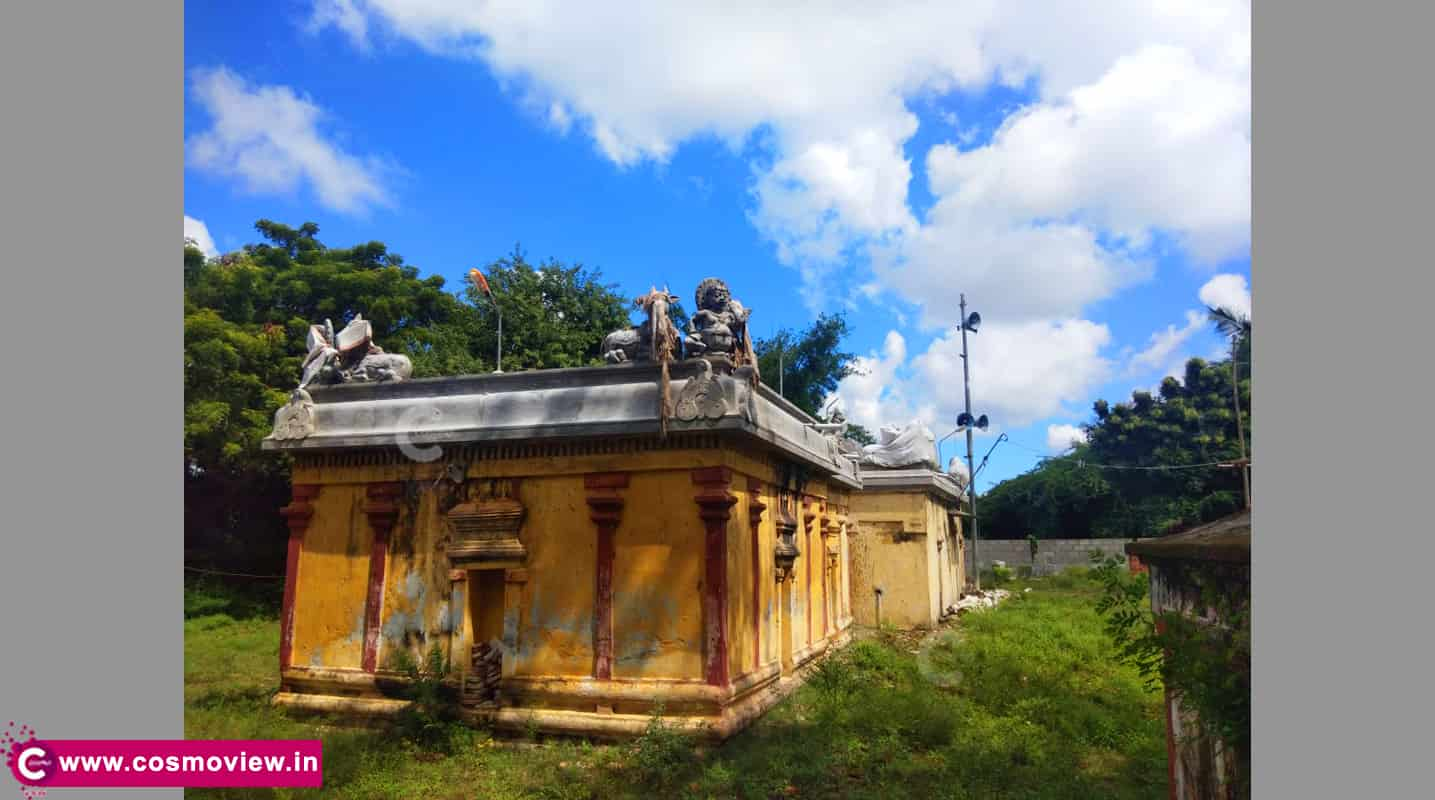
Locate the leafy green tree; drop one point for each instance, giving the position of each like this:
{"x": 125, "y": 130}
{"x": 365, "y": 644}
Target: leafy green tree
{"x": 1122, "y": 483}
{"x": 860, "y": 434}
{"x": 553, "y": 315}
{"x": 1060, "y": 499}
{"x": 246, "y": 319}
{"x": 813, "y": 361}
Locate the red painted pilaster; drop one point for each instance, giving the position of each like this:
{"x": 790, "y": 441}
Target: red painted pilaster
{"x": 605, "y": 507}
{"x": 808, "y": 515}
{"x": 755, "y": 507}
{"x": 826, "y": 569}
{"x": 715, "y": 504}
{"x": 297, "y": 514}
{"x": 382, "y": 508}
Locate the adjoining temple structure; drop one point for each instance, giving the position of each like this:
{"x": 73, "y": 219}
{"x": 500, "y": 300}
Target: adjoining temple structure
{"x": 583, "y": 544}
{"x": 907, "y": 549}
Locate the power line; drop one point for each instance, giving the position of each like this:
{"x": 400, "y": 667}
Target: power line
{"x": 232, "y": 574}
{"x": 1082, "y": 463}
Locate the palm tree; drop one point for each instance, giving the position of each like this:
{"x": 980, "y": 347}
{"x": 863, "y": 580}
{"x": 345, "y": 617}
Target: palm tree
{"x": 1236, "y": 326}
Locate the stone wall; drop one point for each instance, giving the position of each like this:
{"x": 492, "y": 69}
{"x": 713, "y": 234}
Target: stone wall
{"x": 1052, "y": 555}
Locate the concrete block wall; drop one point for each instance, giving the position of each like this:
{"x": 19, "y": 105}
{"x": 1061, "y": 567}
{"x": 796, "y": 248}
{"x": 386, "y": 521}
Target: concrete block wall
{"x": 1053, "y": 555}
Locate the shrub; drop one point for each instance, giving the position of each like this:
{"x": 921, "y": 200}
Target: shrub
{"x": 1001, "y": 574}
{"x": 431, "y": 719}
{"x": 662, "y": 754}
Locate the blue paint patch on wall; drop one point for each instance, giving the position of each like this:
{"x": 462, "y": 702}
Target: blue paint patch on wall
{"x": 356, "y": 633}
{"x": 397, "y": 623}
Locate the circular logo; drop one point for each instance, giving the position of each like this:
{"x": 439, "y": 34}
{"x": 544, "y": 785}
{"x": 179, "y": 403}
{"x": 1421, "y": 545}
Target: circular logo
{"x": 34, "y": 763}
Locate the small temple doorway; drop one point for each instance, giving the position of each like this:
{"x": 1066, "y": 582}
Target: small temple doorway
{"x": 485, "y": 609}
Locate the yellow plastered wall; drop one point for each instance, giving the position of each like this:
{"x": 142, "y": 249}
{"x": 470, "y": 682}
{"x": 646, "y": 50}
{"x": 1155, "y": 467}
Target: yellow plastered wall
{"x": 333, "y": 581}
{"x": 555, "y": 623}
{"x": 657, "y": 579}
{"x": 420, "y": 609}
{"x": 892, "y": 548}
{"x": 947, "y": 559}
{"x": 658, "y": 570}
{"x": 741, "y": 645}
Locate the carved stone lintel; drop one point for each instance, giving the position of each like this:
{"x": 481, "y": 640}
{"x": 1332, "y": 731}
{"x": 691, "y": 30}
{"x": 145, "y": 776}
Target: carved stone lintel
{"x": 486, "y": 527}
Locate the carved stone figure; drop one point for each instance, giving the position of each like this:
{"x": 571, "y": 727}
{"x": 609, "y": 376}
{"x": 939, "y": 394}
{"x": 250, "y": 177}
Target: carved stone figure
{"x": 636, "y": 343}
{"x": 846, "y": 446}
{"x": 910, "y": 446}
{"x": 350, "y": 356}
{"x": 719, "y": 326}
{"x": 295, "y": 419}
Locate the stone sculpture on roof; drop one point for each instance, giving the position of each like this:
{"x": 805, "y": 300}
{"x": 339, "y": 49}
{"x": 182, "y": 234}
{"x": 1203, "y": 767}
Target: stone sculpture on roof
{"x": 350, "y": 356}
{"x": 909, "y": 446}
{"x": 719, "y": 326}
{"x": 636, "y": 343}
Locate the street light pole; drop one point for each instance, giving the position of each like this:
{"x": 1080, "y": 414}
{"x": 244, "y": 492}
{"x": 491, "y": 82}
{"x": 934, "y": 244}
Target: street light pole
{"x": 971, "y": 472}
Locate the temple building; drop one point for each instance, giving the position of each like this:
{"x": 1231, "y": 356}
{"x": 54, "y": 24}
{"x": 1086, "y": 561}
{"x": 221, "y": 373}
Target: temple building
{"x": 907, "y": 549}
{"x": 583, "y": 544}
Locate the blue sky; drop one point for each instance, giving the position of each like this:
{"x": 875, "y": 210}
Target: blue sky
{"x": 1085, "y": 181}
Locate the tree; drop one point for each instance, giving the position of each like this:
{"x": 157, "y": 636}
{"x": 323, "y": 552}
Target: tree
{"x": 812, "y": 360}
{"x": 1059, "y": 499}
{"x": 1236, "y": 326}
{"x": 553, "y": 315}
{"x": 246, "y": 318}
{"x": 1121, "y": 483}
{"x": 860, "y": 434}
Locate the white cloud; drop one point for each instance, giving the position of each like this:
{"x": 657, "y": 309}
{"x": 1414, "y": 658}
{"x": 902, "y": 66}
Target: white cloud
{"x": 1020, "y": 373}
{"x": 1163, "y": 344}
{"x": 268, "y": 138}
{"x": 1140, "y": 124}
{"x": 871, "y": 395}
{"x": 1227, "y": 291}
{"x": 199, "y": 232}
{"x": 344, "y": 15}
{"x": 1060, "y": 438}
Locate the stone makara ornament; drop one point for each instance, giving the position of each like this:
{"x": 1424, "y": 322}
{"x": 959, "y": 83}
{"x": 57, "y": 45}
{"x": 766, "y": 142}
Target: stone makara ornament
{"x": 350, "y": 356}
{"x": 295, "y": 419}
{"x": 701, "y": 398}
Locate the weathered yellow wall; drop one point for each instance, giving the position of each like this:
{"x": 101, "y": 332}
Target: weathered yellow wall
{"x": 555, "y": 624}
{"x": 657, "y": 579}
{"x": 333, "y": 579}
{"x": 894, "y": 548}
{"x": 741, "y": 644}
{"x": 947, "y": 559}
{"x": 419, "y": 609}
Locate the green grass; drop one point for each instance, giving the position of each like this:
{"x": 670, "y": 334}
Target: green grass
{"x": 1026, "y": 701}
